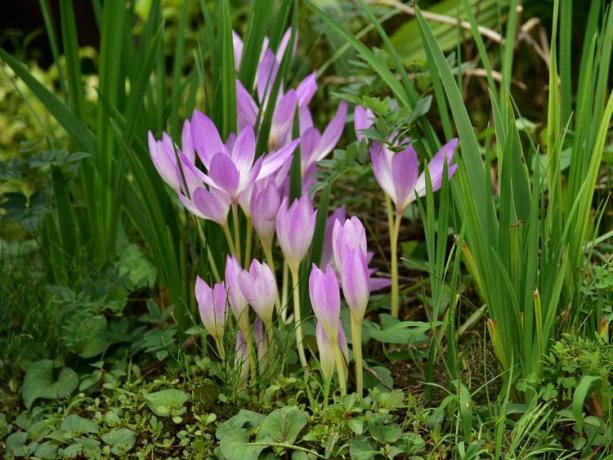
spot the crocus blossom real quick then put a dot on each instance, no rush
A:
(231, 167)
(397, 173)
(238, 303)
(264, 205)
(328, 348)
(212, 306)
(295, 228)
(259, 287)
(325, 298)
(175, 168)
(315, 146)
(351, 259)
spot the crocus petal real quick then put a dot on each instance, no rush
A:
(327, 352)
(381, 165)
(326, 253)
(212, 204)
(333, 132)
(275, 160)
(205, 138)
(212, 306)
(187, 145)
(237, 45)
(363, 118)
(265, 202)
(306, 89)
(355, 280)
(259, 287)
(376, 284)
(246, 108)
(282, 119)
(267, 73)
(295, 227)
(436, 168)
(404, 174)
(164, 162)
(243, 151)
(325, 298)
(305, 119)
(237, 300)
(309, 147)
(224, 173)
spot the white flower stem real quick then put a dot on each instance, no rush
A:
(237, 232)
(356, 339)
(297, 318)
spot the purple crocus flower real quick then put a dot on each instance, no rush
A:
(397, 173)
(363, 119)
(327, 349)
(181, 176)
(295, 227)
(325, 298)
(264, 205)
(212, 307)
(238, 303)
(231, 167)
(259, 287)
(351, 259)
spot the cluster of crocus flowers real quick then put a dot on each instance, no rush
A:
(218, 179)
(241, 288)
(398, 175)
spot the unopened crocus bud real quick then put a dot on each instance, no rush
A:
(295, 227)
(259, 287)
(347, 233)
(238, 302)
(265, 202)
(327, 349)
(212, 307)
(325, 298)
(355, 279)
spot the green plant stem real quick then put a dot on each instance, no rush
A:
(356, 339)
(226, 232)
(297, 318)
(248, 243)
(340, 369)
(237, 232)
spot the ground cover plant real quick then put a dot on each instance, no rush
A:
(307, 230)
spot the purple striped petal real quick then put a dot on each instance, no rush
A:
(404, 174)
(246, 108)
(436, 167)
(275, 160)
(355, 280)
(333, 132)
(325, 298)
(363, 118)
(243, 151)
(212, 204)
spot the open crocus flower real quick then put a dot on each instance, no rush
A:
(295, 228)
(328, 350)
(231, 167)
(212, 307)
(325, 298)
(174, 166)
(397, 173)
(259, 287)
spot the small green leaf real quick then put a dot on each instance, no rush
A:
(361, 449)
(40, 382)
(121, 441)
(282, 425)
(167, 402)
(75, 425)
(581, 393)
